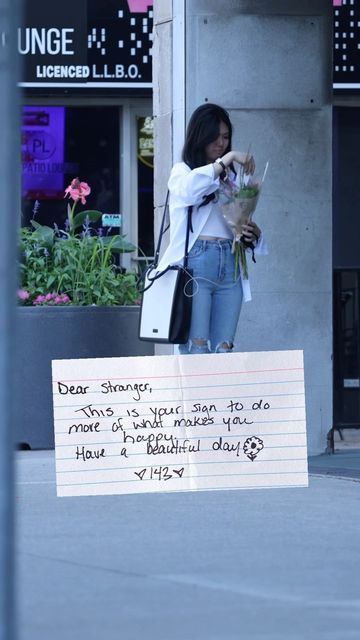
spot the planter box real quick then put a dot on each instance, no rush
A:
(50, 333)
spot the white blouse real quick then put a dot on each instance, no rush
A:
(188, 187)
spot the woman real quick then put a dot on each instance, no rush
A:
(207, 162)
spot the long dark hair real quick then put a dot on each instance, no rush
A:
(204, 128)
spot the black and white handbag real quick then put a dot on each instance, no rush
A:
(167, 296)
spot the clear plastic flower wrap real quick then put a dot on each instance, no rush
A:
(238, 203)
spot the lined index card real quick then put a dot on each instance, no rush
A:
(179, 423)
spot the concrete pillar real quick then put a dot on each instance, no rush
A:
(168, 102)
(9, 174)
(269, 63)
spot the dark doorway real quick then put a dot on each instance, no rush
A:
(346, 262)
(346, 348)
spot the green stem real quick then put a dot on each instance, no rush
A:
(71, 218)
(242, 251)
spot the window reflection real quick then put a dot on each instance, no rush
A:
(60, 143)
(145, 165)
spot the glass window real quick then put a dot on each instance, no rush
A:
(145, 168)
(61, 143)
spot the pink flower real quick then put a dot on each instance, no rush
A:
(61, 298)
(52, 298)
(78, 190)
(22, 294)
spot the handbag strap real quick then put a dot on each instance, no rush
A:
(158, 247)
(163, 230)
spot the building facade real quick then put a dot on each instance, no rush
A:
(88, 109)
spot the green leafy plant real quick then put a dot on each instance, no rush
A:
(75, 266)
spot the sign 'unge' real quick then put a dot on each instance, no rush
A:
(102, 45)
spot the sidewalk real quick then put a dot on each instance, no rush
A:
(346, 460)
(276, 564)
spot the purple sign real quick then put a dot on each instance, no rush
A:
(42, 150)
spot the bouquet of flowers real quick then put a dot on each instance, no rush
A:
(238, 205)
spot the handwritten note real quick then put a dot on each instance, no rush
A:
(179, 423)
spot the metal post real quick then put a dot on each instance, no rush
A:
(9, 190)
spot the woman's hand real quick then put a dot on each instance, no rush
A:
(245, 159)
(251, 231)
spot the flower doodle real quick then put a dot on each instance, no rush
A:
(252, 447)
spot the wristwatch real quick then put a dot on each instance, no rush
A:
(219, 161)
(224, 174)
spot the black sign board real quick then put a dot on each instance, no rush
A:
(346, 77)
(87, 44)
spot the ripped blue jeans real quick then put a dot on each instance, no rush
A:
(217, 298)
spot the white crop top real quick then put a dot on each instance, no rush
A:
(215, 226)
